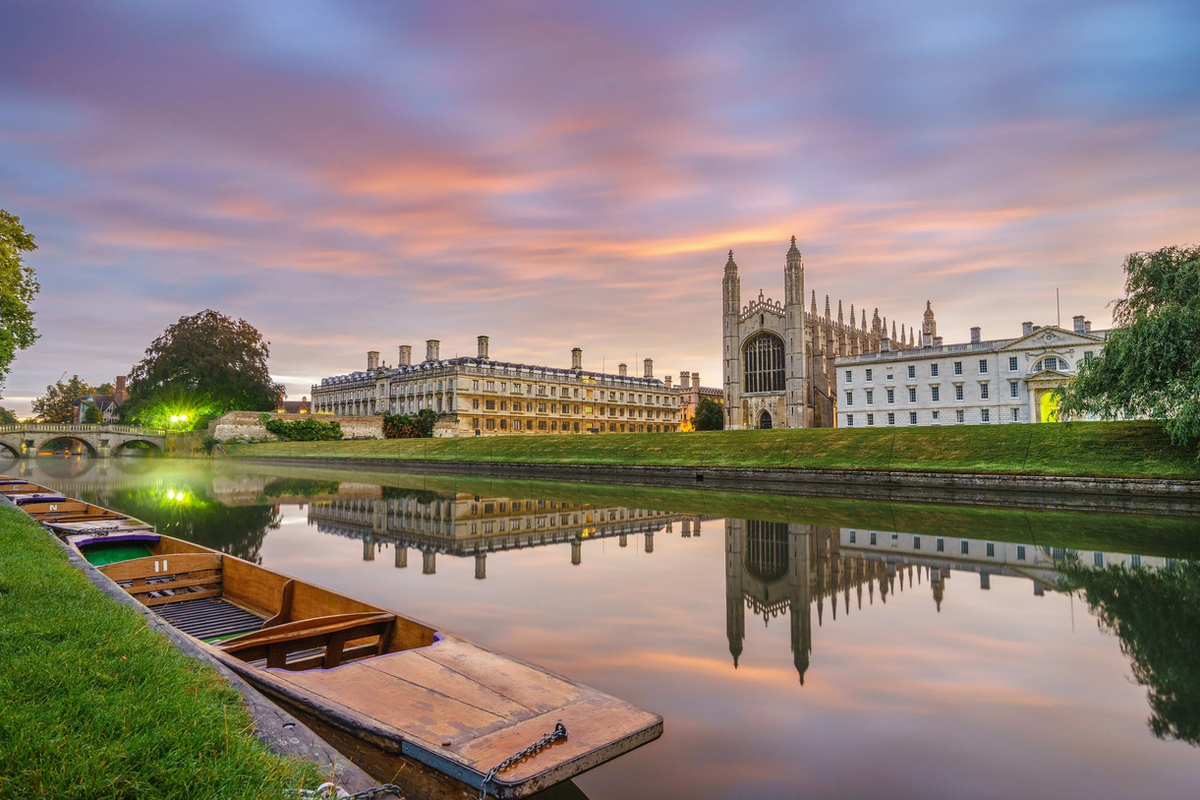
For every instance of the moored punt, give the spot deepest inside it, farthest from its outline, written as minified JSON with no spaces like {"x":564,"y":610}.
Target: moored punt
{"x":65,"y":516}
{"x":408,"y":703}
{"x":10,"y":486}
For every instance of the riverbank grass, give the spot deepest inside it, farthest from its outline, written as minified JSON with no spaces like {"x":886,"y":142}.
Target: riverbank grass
{"x":1114,"y":449}
{"x":98,"y":705}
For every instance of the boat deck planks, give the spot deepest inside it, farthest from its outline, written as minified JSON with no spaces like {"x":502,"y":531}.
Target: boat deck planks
{"x":531,"y":687}
{"x":418,"y":669}
{"x":419,"y":712}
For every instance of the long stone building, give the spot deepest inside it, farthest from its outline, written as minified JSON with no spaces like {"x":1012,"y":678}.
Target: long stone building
{"x":481,"y":396}
{"x":980,"y":382}
{"x":779,"y":359}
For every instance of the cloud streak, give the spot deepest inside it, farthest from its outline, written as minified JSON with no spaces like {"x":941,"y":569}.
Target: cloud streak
{"x":350,"y":177}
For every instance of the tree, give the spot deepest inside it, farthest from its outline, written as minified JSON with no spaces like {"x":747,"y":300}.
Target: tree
{"x":1156,"y":616}
{"x":1150,"y":365}
{"x":92,"y":415}
{"x":203,"y":365}
{"x":709,"y":416}
{"x":58,"y":403}
{"x":7,"y":417}
{"x":18,"y":285}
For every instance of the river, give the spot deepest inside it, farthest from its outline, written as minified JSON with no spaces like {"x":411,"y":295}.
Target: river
{"x":814,"y":648}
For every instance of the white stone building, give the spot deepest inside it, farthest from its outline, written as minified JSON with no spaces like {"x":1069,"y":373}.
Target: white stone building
{"x":997,"y":381}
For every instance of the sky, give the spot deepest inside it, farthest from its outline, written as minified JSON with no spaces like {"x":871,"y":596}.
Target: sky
{"x":354,"y":176}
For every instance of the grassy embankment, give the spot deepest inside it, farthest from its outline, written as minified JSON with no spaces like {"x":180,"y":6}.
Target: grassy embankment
{"x":97,"y":705}
{"x":1082,"y":448}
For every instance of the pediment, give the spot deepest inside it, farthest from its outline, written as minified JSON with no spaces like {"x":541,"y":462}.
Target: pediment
{"x":1052,"y":337}
{"x":1050,"y":375}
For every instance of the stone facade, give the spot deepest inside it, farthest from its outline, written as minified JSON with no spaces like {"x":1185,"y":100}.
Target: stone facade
{"x":998,"y":381}
{"x":247,"y":426}
{"x":480,"y":396}
{"x":778,"y":359}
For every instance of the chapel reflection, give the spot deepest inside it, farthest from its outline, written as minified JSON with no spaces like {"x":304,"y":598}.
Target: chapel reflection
{"x":776,"y":568}
{"x":466,"y":525}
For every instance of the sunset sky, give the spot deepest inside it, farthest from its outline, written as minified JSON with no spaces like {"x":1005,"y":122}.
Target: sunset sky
{"x":352,"y":176}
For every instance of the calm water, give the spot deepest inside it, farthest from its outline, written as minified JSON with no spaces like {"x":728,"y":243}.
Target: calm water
{"x":795,"y":648}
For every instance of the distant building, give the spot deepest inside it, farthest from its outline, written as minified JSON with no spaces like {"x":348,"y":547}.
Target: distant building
{"x":107,"y":404}
{"x":778,"y":359}
{"x":486,"y":397}
{"x":690,"y":392}
{"x":301,"y":406}
{"x":996,"y":381}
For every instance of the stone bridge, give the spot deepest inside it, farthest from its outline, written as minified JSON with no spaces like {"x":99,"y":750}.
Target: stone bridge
{"x":101,"y":441}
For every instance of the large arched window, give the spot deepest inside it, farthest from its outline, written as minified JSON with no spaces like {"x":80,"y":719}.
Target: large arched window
{"x":762,"y":364}
{"x":766,"y":554}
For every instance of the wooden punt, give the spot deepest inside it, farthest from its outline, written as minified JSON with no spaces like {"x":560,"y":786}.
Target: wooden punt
{"x":66,"y":516}
{"x":410,"y":704}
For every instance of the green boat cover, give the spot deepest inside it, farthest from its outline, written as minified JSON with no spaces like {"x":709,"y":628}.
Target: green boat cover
{"x":102,"y":554}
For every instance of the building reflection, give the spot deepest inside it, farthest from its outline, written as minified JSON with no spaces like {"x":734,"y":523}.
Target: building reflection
{"x":773,"y":568}
{"x":466,"y":525}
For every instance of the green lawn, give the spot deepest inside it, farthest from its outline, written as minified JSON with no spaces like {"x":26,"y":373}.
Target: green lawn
{"x":1082,"y":448}
{"x":97,"y":705}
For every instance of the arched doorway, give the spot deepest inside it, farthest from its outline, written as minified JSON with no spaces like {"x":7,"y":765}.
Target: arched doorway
{"x":1048,"y":404}
{"x":764,"y":421}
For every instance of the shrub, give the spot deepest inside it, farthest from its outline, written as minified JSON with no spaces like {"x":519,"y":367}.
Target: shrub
{"x":402,"y":426}
{"x":304,"y":430}
{"x":209,"y":443}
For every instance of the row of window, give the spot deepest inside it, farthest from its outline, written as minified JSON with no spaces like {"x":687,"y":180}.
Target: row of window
{"x":1049,"y":362}
{"x":612,"y":411}
{"x":964,"y":545}
{"x":985,"y":415}
{"x":935,"y":393}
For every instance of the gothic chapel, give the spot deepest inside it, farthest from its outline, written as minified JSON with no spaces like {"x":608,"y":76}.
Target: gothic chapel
{"x":779,"y":359}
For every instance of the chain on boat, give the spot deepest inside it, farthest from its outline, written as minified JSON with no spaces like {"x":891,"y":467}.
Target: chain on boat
{"x":559,"y":732}
{"x":330,"y":791}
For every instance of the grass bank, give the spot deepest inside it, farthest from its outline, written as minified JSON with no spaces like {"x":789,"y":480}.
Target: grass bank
{"x":1098,"y":449}
{"x":97,"y":705}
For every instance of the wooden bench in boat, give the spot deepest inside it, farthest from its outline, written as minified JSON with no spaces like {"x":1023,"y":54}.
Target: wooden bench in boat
{"x":157,"y":580}
{"x":64,"y":510}
{"x":336,"y":639}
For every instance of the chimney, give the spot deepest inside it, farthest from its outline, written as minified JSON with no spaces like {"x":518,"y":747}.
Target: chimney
{"x":405,"y":355}
{"x":648,"y":368}
{"x":1087,"y":326}
{"x":622,"y":370}
{"x":432,"y":346}
{"x":372,"y":360}
{"x":975,"y":332}
{"x":696,"y":381}
{"x":937,"y":341}
{"x":119,"y":391}
{"x":667,"y":381}
{"x":576,"y":359}
{"x":885,"y":344}
{"x":685,"y":381}
{"x":1079,"y":323}
{"x":1026,"y":328}
{"x":927,"y":339}
{"x":483,"y":348}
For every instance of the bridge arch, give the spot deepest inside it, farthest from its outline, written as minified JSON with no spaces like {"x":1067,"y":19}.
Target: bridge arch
{"x":154,"y":448}
{"x":5,"y":447}
{"x":91,"y":448}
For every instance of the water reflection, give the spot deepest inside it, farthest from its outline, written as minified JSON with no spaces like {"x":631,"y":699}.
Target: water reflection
{"x":926,"y":636}
{"x":466,"y":525}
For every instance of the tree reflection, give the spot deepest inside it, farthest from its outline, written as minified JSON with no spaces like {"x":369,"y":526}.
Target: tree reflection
{"x":1156,"y":615}
{"x":189,"y":514}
